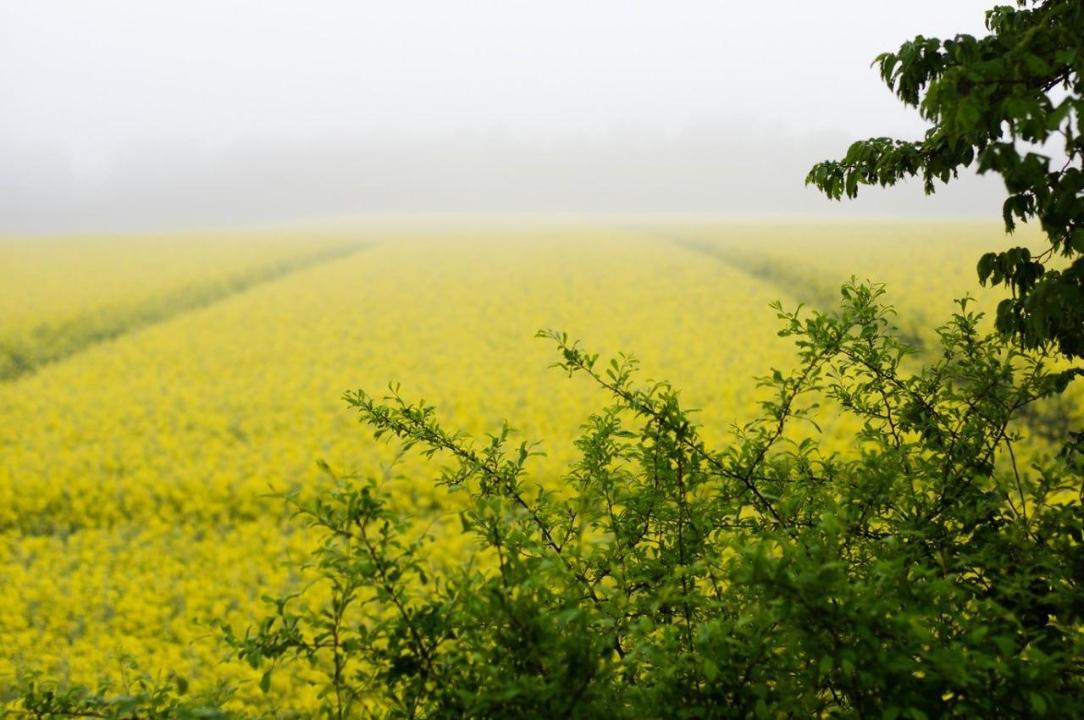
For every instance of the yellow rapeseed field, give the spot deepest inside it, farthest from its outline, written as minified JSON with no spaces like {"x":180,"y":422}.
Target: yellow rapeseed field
{"x":137,"y":468}
{"x":63,"y":293}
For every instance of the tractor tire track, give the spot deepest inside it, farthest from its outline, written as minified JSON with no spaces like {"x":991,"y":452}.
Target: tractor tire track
{"x":805,"y":287}
{"x":53,"y":343}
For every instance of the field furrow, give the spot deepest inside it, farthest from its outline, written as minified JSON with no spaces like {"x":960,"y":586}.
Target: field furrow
{"x":59,"y":338}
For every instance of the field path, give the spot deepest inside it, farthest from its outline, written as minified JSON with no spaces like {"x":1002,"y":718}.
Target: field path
{"x":801,"y":283}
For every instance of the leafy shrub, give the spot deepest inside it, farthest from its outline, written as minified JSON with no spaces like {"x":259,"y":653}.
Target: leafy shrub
{"x":923,"y":574}
{"x":139,"y":699}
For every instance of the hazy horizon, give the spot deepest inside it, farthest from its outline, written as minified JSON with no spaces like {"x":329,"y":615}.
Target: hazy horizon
{"x":122,"y":116}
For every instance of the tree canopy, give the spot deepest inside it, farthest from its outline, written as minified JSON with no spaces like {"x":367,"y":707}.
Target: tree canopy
{"x":1004,"y":102}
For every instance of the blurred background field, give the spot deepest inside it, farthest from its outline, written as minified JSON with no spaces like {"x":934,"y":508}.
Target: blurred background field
{"x":157,"y":390}
{"x":64,"y":293}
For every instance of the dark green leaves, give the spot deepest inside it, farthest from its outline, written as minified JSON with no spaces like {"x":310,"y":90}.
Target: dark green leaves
{"x":265,"y":682}
{"x":986,"y":97}
{"x":138,"y":699}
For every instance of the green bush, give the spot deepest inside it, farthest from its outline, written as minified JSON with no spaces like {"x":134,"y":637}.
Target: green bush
{"x":922,"y":573}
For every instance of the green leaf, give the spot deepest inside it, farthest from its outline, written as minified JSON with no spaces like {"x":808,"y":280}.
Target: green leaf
{"x":986,"y":266}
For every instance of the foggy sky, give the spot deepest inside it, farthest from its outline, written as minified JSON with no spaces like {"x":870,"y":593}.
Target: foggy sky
{"x":158,"y":113}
